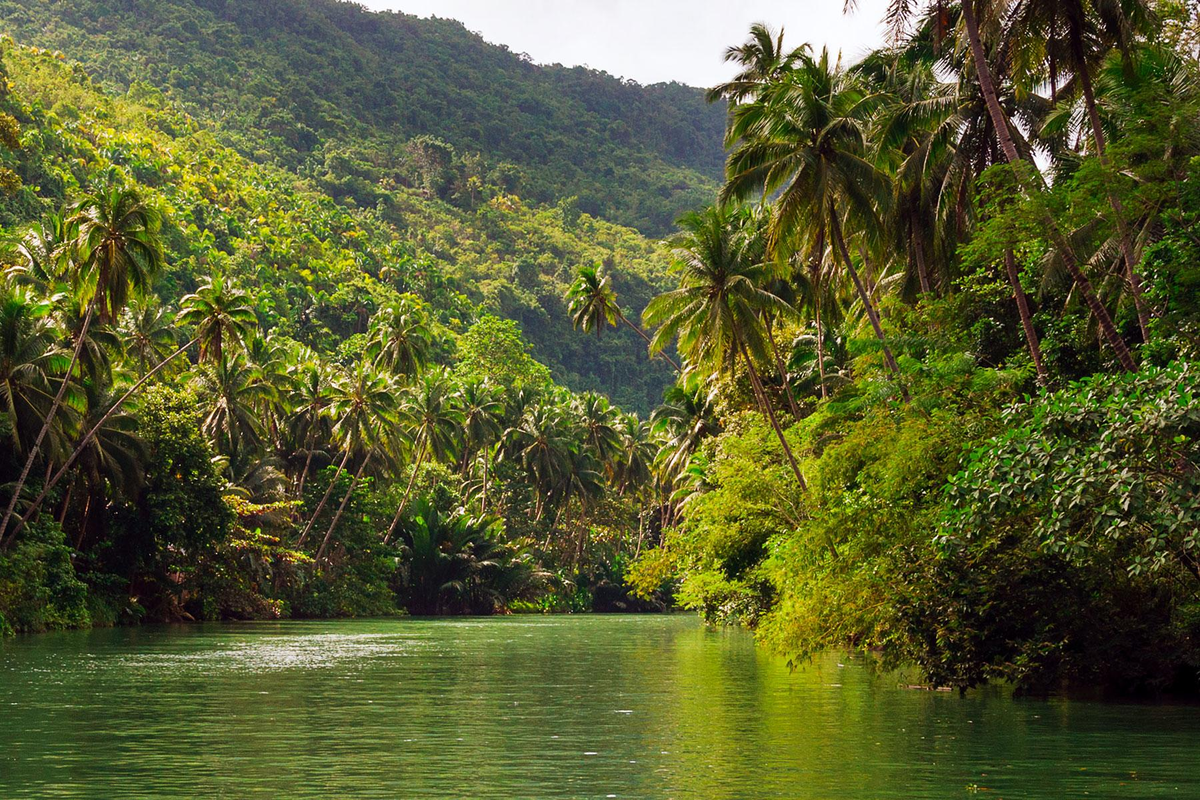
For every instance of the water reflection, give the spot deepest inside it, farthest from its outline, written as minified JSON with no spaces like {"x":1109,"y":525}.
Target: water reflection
{"x":537,"y":707}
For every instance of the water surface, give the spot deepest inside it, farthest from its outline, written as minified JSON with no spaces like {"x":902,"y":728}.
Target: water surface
{"x":553,"y":707}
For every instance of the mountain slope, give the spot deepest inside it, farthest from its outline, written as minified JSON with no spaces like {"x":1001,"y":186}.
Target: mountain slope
{"x":317,"y":267}
{"x":315,"y":83}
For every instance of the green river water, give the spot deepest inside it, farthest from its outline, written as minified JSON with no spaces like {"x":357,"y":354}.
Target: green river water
{"x":584,"y":706}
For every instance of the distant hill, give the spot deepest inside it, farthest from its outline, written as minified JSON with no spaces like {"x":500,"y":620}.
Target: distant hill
{"x":329,"y":89}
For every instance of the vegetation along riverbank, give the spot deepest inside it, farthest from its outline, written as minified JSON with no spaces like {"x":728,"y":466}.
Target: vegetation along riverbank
{"x":914,"y":372}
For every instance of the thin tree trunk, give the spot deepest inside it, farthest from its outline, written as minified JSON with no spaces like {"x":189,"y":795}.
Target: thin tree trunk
{"x":325,"y":497}
{"x":58,"y":398}
{"x":1131,"y":271}
{"x":312,"y":444}
{"x":787,"y":386}
{"x":342,"y":508}
{"x":1004,"y":135}
{"x":922,"y":272}
{"x":766,"y":404}
{"x":407,"y":492}
{"x":1031,"y":338}
{"x":820,"y":344}
{"x":91,"y":434}
{"x":83,"y":523}
{"x":872,"y":314}
{"x":66,"y":506}
{"x":642,"y":334}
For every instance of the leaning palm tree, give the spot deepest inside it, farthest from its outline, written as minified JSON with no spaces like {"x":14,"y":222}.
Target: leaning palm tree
{"x":976,"y":16}
{"x":219,"y":313}
{"x":717,"y":311}
{"x":364,"y":406}
{"x":433,"y":424}
{"x":805,"y":139}
{"x":592,"y":303}
{"x":117,"y":249}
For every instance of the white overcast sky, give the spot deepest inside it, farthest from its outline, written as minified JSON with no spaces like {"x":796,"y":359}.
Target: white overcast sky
{"x":652,"y":40}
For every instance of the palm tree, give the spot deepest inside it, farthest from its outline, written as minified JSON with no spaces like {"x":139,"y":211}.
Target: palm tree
{"x":29,"y":361}
{"x":148,"y":332}
{"x":482,"y":411}
{"x":362,"y":404}
{"x":540,"y":444}
{"x":598,"y":423}
{"x":593,"y":305}
{"x":1075,"y":36}
{"x":399,"y":337}
{"x":686,"y":418}
{"x":433,"y":423}
{"x":900,"y":11}
{"x":219,"y":313}
{"x":222,"y":317}
{"x":236,"y":391}
{"x":309,"y":400}
{"x":717,"y":310}
{"x":805,"y":138}
{"x":634,"y":459}
{"x":117,"y":249}
{"x":762,"y":59}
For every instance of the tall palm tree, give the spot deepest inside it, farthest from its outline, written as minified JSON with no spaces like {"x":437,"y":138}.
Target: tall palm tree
{"x":363,"y":405}
{"x":219,"y":314}
{"x":597,"y":421}
{"x":222,"y":316}
{"x":972,"y":14}
{"x":365,"y":408}
{"x":717,"y":311}
{"x":805,"y":138}
{"x":1074,"y":36}
{"x":117,"y":249}
{"x":592,"y":303}
{"x":399,"y":337}
{"x":540,"y":444}
{"x":482,"y":412}
{"x":762,"y":59}
{"x":433,"y":423}
{"x":148,"y":333}
{"x":30,"y":360}
{"x":235,"y":391}
{"x":686,"y":418}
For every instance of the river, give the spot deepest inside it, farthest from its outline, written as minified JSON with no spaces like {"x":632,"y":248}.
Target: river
{"x":545,"y":707}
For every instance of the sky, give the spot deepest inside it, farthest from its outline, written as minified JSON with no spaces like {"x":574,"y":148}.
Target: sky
{"x":652,"y":41}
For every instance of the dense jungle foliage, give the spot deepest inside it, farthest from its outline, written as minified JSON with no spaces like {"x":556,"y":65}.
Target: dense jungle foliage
{"x":941,"y":336}
{"x":329,"y":89}
{"x":933,"y":345}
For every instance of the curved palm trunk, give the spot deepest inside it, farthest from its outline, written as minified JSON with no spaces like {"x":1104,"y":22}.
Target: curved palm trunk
{"x":407,"y":492}
{"x":37,"y":443}
{"x":1031,"y":338}
{"x":1004,"y":135}
{"x":337,"y":517}
{"x":770,"y":412}
{"x":922,"y":271}
{"x":1131,"y":272}
{"x":325,"y":498}
{"x":91,"y":434}
{"x":642,"y":334}
{"x":872,"y":314}
{"x":787,"y":386}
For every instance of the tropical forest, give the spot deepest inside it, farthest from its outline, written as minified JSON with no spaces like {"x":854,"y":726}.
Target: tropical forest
{"x":343,"y":345}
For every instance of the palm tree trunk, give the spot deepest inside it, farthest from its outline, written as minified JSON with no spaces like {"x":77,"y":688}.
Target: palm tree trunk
{"x":342,"y":507}
{"x":872,"y":314}
{"x":407,"y":492}
{"x":1131,"y":271}
{"x":642,"y":334}
{"x":770,"y":412}
{"x":1004,"y":135}
{"x":922,"y":272}
{"x":312,"y":443}
{"x":91,"y":434}
{"x":66,"y":506}
{"x":787,"y":386}
{"x":820,"y":342}
{"x":19,"y":486}
{"x":325,"y":497}
{"x":1031,"y":337}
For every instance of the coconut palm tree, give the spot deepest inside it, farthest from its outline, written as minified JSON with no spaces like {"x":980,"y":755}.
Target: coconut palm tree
{"x":805,"y":137}
{"x":482,"y":411}
{"x":541,"y":445}
{"x":592,"y":303}
{"x":399,"y":337}
{"x":433,"y":423}
{"x":222,"y":317}
{"x":235,"y":392}
{"x":117,"y":249}
{"x":148,"y":333}
{"x":686,"y":418}
{"x":717,"y":311}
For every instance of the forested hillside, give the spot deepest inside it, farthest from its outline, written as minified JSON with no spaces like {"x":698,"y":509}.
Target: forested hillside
{"x":362,"y":99}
